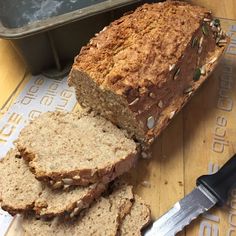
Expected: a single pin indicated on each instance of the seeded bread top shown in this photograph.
(65, 145)
(21, 192)
(119, 57)
(102, 218)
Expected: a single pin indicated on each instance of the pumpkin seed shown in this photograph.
(205, 29)
(216, 22)
(197, 74)
(194, 42)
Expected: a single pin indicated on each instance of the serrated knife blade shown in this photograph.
(183, 212)
(211, 190)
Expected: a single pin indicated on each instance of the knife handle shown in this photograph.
(220, 183)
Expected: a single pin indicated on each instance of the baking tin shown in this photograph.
(50, 33)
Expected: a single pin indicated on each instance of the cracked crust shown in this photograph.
(76, 149)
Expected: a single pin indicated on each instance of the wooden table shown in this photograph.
(200, 139)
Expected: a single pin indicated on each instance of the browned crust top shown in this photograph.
(119, 57)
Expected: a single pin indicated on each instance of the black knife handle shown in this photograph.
(220, 183)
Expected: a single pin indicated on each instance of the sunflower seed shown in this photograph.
(66, 186)
(76, 177)
(146, 184)
(104, 29)
(197, 74)
(150, 122)
(76, 211)
(68, 181)
(188, 90)
(79, 204)
(58, 184)
(160, 104)
(212, 60)
(144, 155)
(172, 114)
(199, 50)
(171, 67)
(200, 45)
(134, 101)
(176, 74)
(203, 70)
(217, 39)
(72, 214)
(222, 42)
(194, 42)
(152, 95)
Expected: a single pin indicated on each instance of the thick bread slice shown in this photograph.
(137, 219)
(21, 191)
(102, 218)
(76, 148)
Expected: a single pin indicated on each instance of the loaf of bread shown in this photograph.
(75, 149)
(113, 215)
(142, 69)
(21, 192)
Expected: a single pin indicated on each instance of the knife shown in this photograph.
(211, 190)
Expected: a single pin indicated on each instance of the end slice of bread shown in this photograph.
(21, 191)
(76, 148)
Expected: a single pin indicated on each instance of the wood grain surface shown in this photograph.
(199, 140)
(221, 8)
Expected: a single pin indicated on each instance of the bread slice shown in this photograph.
(75, 148)
(142, 69)
(18, 186)
(102, 218)
(21, 191)
(137, 219)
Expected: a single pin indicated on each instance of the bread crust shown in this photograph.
(105, 166)
(22, 193)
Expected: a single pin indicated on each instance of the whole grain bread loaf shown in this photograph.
(75, 148)
(21, 192)
(113, 215)
(102, 218)
(142, 69)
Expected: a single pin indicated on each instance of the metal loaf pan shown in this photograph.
(50, 33)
